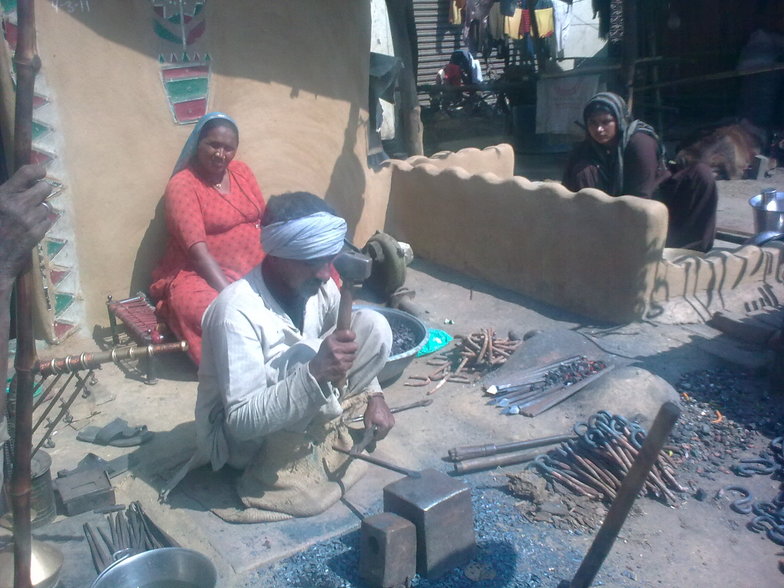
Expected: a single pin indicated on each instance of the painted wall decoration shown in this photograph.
(59, 308)
(184, 61)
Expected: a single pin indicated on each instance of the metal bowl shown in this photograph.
(398, 362)
(167, 566)
(768, 212)
(45, 565)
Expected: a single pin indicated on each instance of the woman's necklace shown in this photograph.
(226, 181)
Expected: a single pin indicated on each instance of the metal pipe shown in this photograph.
(86, 361)
(473, 451)
(482, 463)
(627, 493)
(27, 64)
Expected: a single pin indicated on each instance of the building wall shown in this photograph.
(293, 74)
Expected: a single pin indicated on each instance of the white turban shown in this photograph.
(309, 237)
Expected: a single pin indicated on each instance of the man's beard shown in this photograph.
(310, 288)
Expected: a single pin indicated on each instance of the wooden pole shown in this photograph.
(404, 41)
(27, 64)
(630, 49)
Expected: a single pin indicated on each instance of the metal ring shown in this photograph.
(49, 208)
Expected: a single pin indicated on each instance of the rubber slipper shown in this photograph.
(117, 433)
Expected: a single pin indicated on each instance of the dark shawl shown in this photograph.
(610, 161)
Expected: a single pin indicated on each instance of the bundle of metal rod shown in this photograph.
(540, 390)
(597, 462)
(476, 352)
(87, 361)
(130, 529)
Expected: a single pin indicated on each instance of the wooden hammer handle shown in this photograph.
(344, 310)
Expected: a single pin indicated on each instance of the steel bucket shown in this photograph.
(768, 209)
(159, 568)
(398, 362)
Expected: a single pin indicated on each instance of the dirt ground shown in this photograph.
(699, 543)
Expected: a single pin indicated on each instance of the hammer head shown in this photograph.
(353, 266)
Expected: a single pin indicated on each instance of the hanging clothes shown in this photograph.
(563, 21)
(495, 22)
(560, 102)
(525, 22)
(456, 12)
(615, 34)
(544, 22)
(512, 24)
(601, 8)
(507, 7)
(475, 25)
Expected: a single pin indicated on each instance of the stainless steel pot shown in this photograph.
(170, 567)
(45, 564)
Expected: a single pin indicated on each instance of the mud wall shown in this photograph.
(690, 288)
(585, 252)
(293, 74)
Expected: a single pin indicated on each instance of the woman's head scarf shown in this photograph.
(192, 143)
(626, 128)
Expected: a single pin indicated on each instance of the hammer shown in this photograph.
(354, 268)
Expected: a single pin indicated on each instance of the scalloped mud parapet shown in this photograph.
(691, 287)
(585, 252)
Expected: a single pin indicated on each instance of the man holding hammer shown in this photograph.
(278, 368)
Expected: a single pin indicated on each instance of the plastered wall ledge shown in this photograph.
(584, 252)
(496, 159)
(691, 288)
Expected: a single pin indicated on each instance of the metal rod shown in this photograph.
(45, 393)
(379, 462)
(712, 77)
(418, 403)
(526, 375)
(627, 493)
(78, 388)
(473, 451)
(550, 401)
(48, 409)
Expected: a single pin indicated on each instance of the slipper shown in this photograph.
(117, 433)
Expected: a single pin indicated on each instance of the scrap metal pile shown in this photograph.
(768, 515)
(595, 464)
(539, 389)
(475, 353)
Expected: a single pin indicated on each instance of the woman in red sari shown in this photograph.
(213, 211)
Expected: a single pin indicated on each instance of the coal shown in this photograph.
(511, 552)
(404, 337)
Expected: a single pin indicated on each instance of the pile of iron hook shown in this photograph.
(768, 516)
(595, 464)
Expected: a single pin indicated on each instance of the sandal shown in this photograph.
(117, 433)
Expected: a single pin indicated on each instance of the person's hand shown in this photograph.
(24, 219)
(334, 357)
(378, 415)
